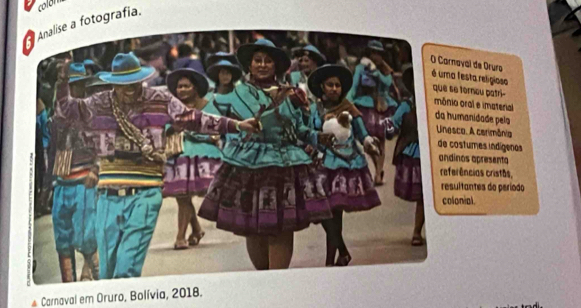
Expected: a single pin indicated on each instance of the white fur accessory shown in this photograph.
(339, 126)
(368, 63)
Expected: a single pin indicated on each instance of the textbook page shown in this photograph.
(3, 21)
(4, 210)
(286, 154)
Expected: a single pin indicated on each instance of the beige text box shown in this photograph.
(479, 132)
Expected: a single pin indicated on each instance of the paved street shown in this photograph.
(379, 236)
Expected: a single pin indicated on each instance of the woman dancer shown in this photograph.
(190, 174)
(406, 156)
(265, 189)
(370, 93)
(348, 184)
(224, 74)
(226, 86)
(310, 59)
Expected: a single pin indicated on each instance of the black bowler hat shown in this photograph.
(314, 53)
(246, 51)
(327, 71)
(199, 81)
(214, 70)
(219, 56)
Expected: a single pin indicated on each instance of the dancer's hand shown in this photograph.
(62, 68)
(389, 127)
(249, 126)
(371, 145)
(215, 139)
(317, 158)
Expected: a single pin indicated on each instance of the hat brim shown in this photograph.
(214, 71)
(213, 59)
(124, 79)
(315, 56)
(325, 72)
(91, 64)
(374, 49)
(94, 67)
(78, 78)
(95, 82)
(281, 61)
(200, 82)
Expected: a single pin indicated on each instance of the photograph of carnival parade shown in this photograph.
(226, 151)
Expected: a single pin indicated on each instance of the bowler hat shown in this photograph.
(246, 51)
(197, 79)
(314, 53)
(327, 71)
(214, 70)
(213, 59)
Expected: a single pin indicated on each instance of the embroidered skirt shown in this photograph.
(350, 190)
(265, 201)
(372, 119)
(189, 175)
(408, 179)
